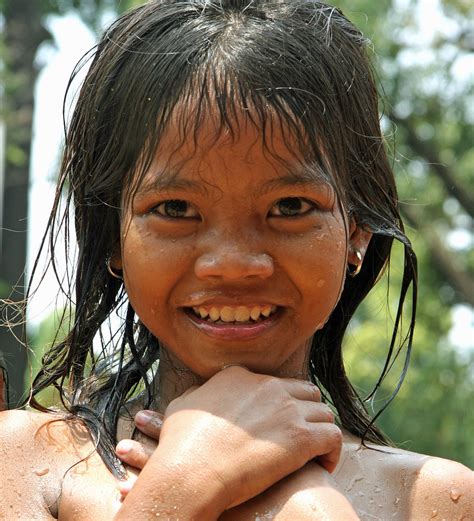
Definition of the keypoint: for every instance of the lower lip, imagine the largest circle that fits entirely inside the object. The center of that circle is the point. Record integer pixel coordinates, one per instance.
(233, 331)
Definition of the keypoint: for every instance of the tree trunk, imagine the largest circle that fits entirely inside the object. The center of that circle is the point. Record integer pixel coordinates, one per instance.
(23, 33)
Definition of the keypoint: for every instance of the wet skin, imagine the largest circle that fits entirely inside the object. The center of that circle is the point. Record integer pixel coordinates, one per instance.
(229, 224)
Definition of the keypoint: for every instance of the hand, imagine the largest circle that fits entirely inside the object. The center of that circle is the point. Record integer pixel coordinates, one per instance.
(135, 454)
(241, 432)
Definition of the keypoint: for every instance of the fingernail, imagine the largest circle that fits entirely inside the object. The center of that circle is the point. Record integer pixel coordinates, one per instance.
(143, 417)
(123, 447)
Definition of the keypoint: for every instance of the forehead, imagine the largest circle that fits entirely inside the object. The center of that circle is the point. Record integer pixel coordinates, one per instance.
(270, 150)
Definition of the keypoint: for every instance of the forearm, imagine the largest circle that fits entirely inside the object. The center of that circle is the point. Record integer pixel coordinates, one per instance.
(171, 491)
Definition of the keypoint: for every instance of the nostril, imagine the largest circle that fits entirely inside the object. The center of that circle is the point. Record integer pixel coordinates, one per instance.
(234, 266)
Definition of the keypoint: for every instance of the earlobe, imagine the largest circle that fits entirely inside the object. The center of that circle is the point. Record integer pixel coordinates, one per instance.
(115, 260)
(114, 263)
(358, 243)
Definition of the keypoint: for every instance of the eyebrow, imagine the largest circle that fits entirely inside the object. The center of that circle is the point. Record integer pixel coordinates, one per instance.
(302, 175)
(162, 182)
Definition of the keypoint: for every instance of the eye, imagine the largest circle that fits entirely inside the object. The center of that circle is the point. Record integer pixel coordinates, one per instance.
(291, 207)
(175, 209)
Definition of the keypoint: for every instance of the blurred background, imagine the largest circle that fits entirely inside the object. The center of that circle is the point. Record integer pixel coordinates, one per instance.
(423, 52)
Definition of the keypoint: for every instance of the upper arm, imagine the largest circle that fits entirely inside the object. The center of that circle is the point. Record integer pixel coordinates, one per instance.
(308, 494)
(444, 489)
(21, 493)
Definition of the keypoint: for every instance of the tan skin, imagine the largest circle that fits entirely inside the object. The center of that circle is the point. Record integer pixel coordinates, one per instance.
(251, 442)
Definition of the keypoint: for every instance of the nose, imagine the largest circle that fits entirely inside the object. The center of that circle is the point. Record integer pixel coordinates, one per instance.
(231, 263)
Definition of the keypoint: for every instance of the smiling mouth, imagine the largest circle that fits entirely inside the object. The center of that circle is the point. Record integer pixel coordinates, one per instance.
(233, 315)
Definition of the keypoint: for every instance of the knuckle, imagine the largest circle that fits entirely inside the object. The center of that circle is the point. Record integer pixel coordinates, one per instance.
(289, 408)
(303, 433)
(328, 414)
(272, 385)
(316, 393)
(334, 434)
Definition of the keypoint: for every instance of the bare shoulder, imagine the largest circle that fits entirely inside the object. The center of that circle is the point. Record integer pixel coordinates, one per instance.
(37, 434)
(433, 487)
(443, 488)
(24, 460)
(36, 451)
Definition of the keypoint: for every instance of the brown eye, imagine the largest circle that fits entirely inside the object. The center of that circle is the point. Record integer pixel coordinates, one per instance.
(291, 207)
(176, 209)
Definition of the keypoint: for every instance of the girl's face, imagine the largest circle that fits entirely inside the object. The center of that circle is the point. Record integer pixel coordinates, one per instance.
(232, 256)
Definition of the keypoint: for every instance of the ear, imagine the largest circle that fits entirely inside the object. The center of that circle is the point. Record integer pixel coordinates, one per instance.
(359, 239)
(116, 258)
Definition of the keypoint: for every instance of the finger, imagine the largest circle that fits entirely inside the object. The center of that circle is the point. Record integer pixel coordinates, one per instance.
(327, 444)
(149, 422)
(124, 487)
(316, 412)
(302, 389)
(133, 453)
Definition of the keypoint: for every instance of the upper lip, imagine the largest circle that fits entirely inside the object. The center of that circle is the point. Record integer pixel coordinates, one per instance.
(218, 299)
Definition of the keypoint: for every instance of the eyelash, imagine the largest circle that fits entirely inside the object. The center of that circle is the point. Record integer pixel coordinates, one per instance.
(163, 209)
(171, 203)
(301, 200)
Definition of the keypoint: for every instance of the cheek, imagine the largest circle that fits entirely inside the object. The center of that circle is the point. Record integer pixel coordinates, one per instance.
(152, 267)
(318, 271)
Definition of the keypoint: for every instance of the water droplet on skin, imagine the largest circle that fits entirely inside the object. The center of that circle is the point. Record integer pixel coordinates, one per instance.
(353, 481)
(397, 500)
(434, 514)
(455, 494)
(41, 472)
(377, 490)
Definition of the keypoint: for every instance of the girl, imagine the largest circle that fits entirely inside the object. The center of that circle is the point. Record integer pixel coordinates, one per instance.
(233, 201)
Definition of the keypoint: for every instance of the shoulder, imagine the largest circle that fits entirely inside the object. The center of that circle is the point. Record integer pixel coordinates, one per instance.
(36, 449)
(443, 488)
(18, 429)
(434, 487)
(38, 432)
(23, 462)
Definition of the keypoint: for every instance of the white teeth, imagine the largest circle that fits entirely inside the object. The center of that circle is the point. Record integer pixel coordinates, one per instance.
(214, 314)
(255, 313)
(242, 314)
(227, 314)
(234, 314)
(200, 312)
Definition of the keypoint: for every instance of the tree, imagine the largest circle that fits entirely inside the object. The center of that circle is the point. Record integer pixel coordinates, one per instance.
(22, 36)
(24, 31)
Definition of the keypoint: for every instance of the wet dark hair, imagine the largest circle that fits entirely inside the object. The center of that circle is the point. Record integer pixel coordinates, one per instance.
(298, 64)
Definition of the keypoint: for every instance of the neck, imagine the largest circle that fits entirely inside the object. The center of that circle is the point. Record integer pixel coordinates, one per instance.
(174, 378)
